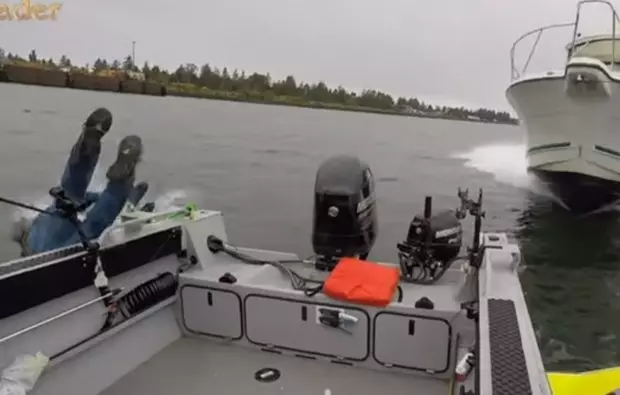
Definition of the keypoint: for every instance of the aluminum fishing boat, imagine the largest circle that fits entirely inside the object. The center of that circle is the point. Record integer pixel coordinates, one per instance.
(164, 304)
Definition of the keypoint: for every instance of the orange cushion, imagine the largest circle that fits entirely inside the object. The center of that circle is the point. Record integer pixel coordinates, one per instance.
(363, 282)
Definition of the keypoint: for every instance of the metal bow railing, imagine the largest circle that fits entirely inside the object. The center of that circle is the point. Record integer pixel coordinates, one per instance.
(515, 73)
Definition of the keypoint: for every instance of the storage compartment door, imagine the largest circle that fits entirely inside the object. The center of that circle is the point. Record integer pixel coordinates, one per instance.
(211, 312)
(412, 342)
(293, 325)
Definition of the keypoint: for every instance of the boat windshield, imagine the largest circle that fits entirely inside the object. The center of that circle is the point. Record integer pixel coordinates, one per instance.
(597, 47)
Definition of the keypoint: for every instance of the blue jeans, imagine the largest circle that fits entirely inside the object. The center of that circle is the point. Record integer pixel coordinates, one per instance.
(49, 232)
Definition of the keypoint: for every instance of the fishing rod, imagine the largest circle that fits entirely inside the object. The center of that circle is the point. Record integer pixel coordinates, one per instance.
(69, 209)
(128, 305)
(23, 205)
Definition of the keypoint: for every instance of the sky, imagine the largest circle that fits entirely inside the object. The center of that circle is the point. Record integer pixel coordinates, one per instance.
(448, 52)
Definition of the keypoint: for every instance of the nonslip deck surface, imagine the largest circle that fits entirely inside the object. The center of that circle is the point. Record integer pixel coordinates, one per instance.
(508, 366)
(198, 367)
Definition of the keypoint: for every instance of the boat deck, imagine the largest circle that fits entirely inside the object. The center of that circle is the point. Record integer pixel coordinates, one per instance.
(197, 367)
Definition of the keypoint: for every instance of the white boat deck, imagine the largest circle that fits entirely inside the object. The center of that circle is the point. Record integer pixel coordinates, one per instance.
(407, 347)
(198, 367)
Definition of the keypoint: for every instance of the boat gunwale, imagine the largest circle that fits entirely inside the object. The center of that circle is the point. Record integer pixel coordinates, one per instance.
(59, 283)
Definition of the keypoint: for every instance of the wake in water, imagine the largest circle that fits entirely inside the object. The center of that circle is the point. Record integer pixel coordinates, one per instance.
(507, 163)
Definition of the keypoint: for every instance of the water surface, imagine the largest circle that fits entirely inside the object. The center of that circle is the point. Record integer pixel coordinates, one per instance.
(257, 163)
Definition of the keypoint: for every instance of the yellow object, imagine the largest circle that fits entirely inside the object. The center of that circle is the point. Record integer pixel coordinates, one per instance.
(595, 382)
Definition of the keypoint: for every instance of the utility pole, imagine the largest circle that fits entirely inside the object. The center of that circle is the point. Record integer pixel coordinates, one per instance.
(133, 52)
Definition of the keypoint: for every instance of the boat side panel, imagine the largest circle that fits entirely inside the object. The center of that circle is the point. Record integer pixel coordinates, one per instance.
(141, 251)
(501, 325)
(85, 357)
(98, 367)
(279, 319)
(63, 334)
(47, 282)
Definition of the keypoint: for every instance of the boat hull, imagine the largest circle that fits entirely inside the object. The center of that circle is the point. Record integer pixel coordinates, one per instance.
(578, 192)
(573, 131)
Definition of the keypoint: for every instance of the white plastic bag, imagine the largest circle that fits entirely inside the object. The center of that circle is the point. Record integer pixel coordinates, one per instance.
(20, 377)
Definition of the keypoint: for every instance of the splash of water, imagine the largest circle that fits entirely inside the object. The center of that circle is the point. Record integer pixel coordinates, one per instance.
(168, 200)
(29, 215)
(507, 163)
(97, 185)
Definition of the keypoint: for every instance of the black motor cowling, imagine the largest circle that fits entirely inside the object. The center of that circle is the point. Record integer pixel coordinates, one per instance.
(446, 236)
(345, 217)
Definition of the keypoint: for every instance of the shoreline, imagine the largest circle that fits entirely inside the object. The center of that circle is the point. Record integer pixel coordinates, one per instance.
(34, 76)
(224, 96)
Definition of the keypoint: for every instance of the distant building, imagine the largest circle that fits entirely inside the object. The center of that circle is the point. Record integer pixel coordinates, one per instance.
(406, 109)
(135, 75)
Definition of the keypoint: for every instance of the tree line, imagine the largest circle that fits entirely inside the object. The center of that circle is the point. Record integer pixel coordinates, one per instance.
(239, 84)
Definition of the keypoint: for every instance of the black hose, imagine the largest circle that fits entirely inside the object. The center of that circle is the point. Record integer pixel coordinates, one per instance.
(400, 293)
(147, 294)
(311, 291)
(142, 297)
(299, 282)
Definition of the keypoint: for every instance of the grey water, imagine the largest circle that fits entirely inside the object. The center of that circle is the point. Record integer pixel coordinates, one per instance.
(257, 164)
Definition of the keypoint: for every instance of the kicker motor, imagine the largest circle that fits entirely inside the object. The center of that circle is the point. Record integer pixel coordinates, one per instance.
(434, 241)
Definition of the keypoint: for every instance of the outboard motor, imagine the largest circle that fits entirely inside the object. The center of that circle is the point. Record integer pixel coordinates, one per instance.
(445, 235)
(433, 243)
(345, 217)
